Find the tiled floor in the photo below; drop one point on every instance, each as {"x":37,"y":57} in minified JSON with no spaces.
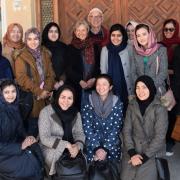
{"x":174,"y":163}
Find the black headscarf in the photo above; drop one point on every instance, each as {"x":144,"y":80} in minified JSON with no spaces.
{"x":148,"y":81}
{"x":57,"y":48}
{"x":45,"y":40}
{"x":65,"y":116}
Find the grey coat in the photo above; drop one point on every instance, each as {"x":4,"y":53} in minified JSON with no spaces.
{"x":126,"y":63}
{"x":159,"y":78}
{"x":50,"y":130}
{"x":147,"y":136}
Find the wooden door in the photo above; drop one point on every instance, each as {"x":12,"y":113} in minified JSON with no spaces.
{"x":152,"y":12}
{"x":67,"y":12}
{"x":70,"y":11}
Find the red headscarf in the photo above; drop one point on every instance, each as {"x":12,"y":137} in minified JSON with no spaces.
{"x":7,"y":40}
{"x":174,"y":40}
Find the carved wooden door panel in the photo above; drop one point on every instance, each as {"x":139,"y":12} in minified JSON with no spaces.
{"x":70,"y":11}
{"x":152,"y":12}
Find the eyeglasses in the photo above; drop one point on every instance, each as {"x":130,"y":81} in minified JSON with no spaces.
{"x":95,"y":17}
{"x":169,"y":29}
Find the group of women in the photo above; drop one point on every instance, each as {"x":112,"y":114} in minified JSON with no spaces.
{"x":86,"y":94}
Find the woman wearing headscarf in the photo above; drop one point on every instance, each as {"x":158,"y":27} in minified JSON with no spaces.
{"x":130,"y":27}
{"x":34,"y":73}
{"x":12,"y":40}
{"x":5,"y":67}
{"x":51,"y":40}
{"x":82,"y":66}
{"x":60,"y":128}
{"x":115,"y":61}
{"x":17,"y":158}
{"x":149,"y":57}
{"x":144,"y":132}
{"x":171,"y":41}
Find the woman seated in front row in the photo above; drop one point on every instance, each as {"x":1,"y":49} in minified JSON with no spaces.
{"x":60,"y":128}
{"x":17,"y":159}
{"x":144,"y":132}
{"x":102,"y":117}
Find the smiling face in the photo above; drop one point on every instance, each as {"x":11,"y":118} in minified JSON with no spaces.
{"x":142,"y":91}
{"x":53,"y":33}
{"x":142,"y":36}
{"x":103,"y":87}
{"x":81,"y":32}
{"x":9,"y":93}
{"x":15,"y":34}
{"x":116,"y":38}
{"x":33,"y":41}
{"x":66,"y":99}
{"x":95,"y":19}
{"x":169,"y":30}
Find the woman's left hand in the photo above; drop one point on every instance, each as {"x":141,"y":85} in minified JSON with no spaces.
{"x":74,"y":150}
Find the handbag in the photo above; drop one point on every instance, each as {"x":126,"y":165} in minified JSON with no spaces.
{"x":103,"y":170}
{"x":168,"y":99}
{"x":162,"y":169}
{"x":26,"y":97}
{"x":25,"y":103}
{"x":68,"y":168}
{"x":176,"y":131}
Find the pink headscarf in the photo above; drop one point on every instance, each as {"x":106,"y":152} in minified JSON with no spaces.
{"x":153,"y":46}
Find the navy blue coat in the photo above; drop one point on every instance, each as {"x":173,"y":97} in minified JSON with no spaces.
{"x":5,"y":67}
{"x":15,"y":163}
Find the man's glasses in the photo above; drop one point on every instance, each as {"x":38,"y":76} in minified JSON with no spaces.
{"x":96,"y":17}
{"x":169,"y":29}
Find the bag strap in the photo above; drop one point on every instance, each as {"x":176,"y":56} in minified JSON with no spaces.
{"x":157,"y":64}
{"x":28,"y":69}
{"x":157,"y":71}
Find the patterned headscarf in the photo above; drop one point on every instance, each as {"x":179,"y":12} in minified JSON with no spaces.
{"x":36,"y":53}
{"x":7,"y":40}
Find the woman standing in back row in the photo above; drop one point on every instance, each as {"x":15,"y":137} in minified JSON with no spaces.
{"x":12,"y":40}
{"x":149,"y":57}
{"x":34,"y":73}
{"x":51,"y":40}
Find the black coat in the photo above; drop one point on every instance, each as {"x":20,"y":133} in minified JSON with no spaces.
{"x":75,"y":69}
{"x":14,"y":162}
{"x":176,"y":77}
{"x":5,"y":67}
{"x":58,"y":51}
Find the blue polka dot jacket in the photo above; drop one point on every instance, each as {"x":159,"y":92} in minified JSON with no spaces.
{"x":103,"y":132}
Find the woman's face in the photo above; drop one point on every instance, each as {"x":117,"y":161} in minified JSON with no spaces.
{"x":9,"y":93}
{"x":81,"y":32}
{"x":15,"y":34}
{"x":142,"y":91}
{"x":53,"y":34}
{"x":142,"y":35}
{"x":169,"y":30}
{"x":130,"y":31}
{"x":33,"y":41}
{"x":103,"y":87}
{"x":66,"y":99}
{"x":116,"y":38}
{"x":95,"y":19}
